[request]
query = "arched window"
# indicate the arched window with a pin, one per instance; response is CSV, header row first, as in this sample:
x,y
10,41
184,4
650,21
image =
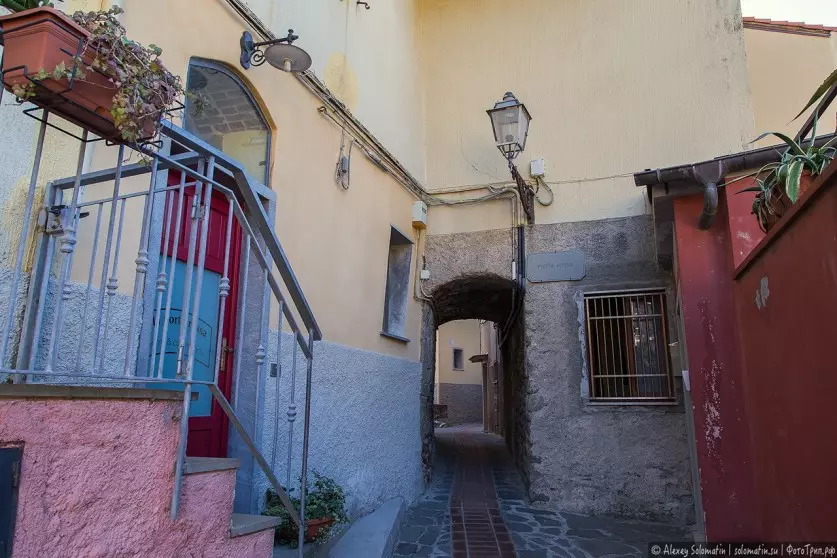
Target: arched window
x,y
232,120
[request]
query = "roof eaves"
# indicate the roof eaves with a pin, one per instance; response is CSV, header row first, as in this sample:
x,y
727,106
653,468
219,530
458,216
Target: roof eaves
x,y
685,175
793,27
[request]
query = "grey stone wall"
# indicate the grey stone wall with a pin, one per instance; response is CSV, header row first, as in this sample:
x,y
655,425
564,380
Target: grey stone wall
x,y
427,387
515,397
622,460
464,402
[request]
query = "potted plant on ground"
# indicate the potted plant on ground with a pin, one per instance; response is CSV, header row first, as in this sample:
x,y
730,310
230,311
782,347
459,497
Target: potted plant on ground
x,y
325,508
779,184
85,69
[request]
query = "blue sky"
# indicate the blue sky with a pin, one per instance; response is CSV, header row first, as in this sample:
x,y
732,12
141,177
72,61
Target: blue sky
x,y
821,12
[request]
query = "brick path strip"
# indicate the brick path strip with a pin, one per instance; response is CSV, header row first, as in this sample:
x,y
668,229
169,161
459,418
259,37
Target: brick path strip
x,y
477,526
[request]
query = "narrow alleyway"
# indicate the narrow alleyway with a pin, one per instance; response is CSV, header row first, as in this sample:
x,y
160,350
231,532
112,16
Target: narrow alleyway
x,y
476,508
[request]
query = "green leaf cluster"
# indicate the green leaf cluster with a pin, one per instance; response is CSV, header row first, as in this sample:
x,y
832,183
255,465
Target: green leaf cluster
x,y
784,177
829,82
324,498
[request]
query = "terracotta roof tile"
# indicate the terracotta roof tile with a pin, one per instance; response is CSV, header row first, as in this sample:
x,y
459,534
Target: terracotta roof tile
x,y
788,26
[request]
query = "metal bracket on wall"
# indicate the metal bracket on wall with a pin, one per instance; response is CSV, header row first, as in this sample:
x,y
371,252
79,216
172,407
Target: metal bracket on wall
x,y
527,196
55,219
362,3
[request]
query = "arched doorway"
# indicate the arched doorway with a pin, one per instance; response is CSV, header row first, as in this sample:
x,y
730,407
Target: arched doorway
x,y
232,122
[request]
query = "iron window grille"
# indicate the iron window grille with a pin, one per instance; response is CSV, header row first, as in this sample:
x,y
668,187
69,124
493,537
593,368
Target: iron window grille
x,y
627,347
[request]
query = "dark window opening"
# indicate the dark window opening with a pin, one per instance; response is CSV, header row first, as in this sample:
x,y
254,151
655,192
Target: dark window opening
x,y
398,284
10,469
458,359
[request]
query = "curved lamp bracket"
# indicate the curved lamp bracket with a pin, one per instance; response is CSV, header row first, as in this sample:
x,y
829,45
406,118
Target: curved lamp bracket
x,y
252,53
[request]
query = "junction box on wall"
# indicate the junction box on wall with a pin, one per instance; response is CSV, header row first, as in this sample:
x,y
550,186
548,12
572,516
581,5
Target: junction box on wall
x,y
419,215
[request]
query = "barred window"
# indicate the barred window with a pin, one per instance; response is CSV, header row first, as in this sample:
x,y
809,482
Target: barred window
x,y
627,347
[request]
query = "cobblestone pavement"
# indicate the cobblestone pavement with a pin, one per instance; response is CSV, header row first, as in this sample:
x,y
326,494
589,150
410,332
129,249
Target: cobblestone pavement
x,y
476,485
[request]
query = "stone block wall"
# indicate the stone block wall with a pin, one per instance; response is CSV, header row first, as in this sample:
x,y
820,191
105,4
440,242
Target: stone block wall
x,y
624,460
464,402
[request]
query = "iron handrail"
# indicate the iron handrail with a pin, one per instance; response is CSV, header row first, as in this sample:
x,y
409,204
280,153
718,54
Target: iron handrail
x,y
248,196
180,163
257,212
200,164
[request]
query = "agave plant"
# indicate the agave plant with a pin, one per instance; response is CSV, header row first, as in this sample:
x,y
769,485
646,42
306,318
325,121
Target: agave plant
x,y
22,5
829,82
778,183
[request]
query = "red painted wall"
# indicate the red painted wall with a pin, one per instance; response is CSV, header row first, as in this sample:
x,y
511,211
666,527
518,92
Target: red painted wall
x,y
745,233
705,271
786,306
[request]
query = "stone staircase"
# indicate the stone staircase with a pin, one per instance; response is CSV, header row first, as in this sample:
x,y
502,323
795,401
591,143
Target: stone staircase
x,y
205,476
97,476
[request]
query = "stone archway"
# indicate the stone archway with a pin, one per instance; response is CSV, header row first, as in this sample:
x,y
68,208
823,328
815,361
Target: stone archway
x,y
485,296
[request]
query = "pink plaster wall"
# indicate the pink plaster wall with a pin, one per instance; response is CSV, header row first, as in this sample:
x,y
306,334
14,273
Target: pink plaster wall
x,y
97,480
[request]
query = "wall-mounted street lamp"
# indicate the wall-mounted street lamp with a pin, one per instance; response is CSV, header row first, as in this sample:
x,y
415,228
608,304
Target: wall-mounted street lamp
x,y
279,53
510,120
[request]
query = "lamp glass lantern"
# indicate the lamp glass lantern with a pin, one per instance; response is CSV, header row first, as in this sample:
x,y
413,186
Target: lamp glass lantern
x,y
510,120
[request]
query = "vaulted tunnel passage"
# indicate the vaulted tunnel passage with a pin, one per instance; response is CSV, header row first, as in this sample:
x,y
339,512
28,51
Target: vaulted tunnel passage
x,y
488,297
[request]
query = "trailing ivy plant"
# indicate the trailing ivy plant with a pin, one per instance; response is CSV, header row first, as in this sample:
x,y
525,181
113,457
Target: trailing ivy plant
x,y
145,89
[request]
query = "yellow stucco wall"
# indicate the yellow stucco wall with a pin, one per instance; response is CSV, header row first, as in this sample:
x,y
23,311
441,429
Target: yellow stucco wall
x,y
613,86
461,334
368,59
785,69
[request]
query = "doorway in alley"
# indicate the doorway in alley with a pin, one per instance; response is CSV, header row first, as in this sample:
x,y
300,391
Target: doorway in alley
x,y
468,386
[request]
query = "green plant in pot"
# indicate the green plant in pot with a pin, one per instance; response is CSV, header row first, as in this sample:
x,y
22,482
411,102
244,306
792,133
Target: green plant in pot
x,y
779,184
114,87
325,509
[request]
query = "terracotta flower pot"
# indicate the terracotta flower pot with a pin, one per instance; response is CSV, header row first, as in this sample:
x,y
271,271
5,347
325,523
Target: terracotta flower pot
x,y
43,38
313,527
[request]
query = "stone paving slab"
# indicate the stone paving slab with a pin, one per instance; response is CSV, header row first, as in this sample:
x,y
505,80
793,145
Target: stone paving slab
x,y
535,532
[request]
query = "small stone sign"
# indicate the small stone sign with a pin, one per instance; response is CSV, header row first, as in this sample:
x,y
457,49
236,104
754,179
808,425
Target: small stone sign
x,y
545,267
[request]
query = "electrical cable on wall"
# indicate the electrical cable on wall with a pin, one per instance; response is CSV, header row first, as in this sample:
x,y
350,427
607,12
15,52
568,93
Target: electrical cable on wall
x,y
343,169
418,288
540,182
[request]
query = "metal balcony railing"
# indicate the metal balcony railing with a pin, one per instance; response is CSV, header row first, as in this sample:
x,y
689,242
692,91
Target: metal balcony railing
x,y
207,264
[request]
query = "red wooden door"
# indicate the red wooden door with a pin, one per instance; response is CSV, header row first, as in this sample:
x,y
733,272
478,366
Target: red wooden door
x,y
208,424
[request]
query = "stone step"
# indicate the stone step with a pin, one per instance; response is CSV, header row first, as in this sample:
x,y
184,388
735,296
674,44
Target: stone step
x,y
243,524
195,465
